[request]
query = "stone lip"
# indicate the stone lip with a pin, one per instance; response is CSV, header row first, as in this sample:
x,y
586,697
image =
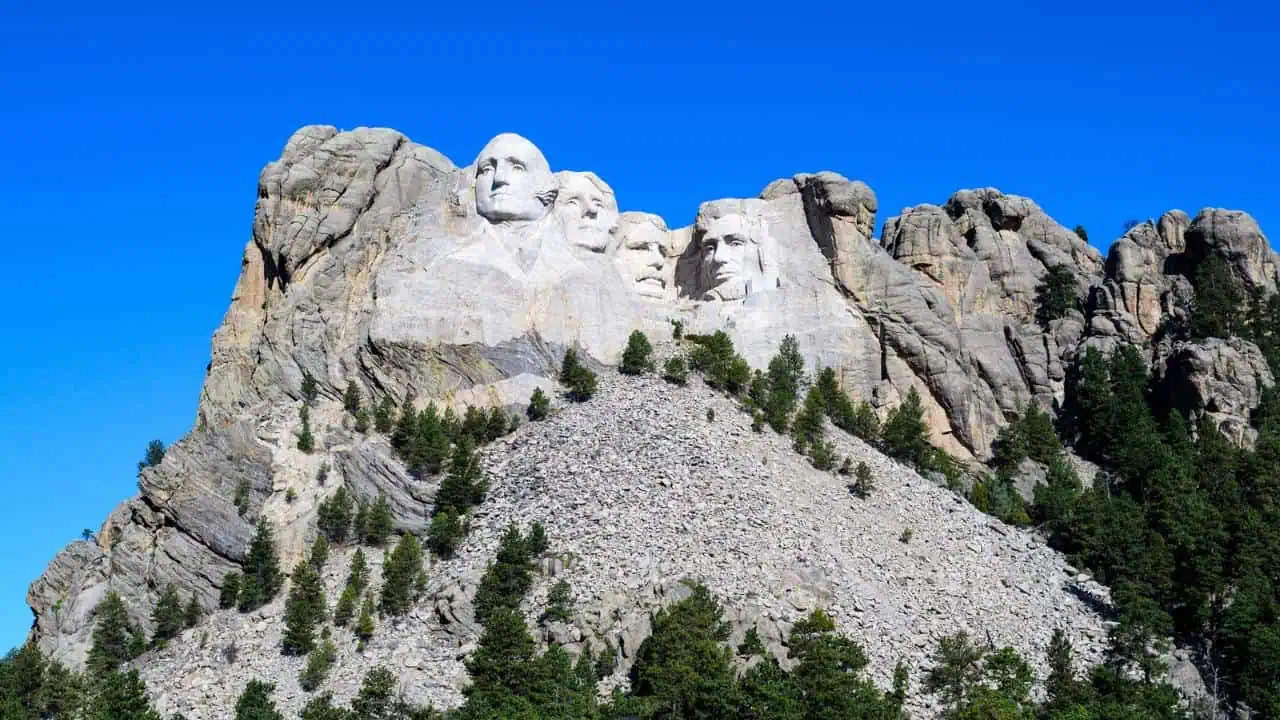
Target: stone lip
x,y
638,491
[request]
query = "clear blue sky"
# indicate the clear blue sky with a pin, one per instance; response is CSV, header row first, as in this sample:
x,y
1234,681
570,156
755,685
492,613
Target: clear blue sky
x,y
132,142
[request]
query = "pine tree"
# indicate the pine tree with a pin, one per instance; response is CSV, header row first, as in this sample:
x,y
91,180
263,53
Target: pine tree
x,y
401,575
306,441
310,389
361,424
539,405
153,456
255,702
536,544
380,524
675,371
121,696
1055,295
1082,233
319,662
904,433
358,575
321,707
112,637
862,484
508,578
430,444
636,358
351,398
261,579
684,664
445,534
559,604
168,616
497,424
193,612
334,516
1218,300
567,366
406,427
319,553
229,593
786,372
464,487
808,427
500,663
361,523
384,415
582,384
364,626
304,609
346,606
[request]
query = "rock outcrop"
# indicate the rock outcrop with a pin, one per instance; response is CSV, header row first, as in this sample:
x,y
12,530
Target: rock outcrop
x,y
378,261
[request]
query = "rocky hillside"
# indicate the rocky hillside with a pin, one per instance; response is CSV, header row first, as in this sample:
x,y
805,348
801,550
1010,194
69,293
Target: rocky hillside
x,y
377,261
638,490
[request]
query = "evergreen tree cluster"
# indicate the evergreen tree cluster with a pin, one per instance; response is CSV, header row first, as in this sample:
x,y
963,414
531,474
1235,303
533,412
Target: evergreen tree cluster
x,y
424,439
508,578
1056,295
261,579
340,519
305,609
171,615
578,378
463,488
403,576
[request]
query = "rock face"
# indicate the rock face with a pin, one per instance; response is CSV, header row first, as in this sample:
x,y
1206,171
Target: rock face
x,y
638,491
378,261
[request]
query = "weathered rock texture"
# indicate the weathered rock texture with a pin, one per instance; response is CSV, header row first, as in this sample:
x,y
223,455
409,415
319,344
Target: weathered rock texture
x,y
379,261
638,491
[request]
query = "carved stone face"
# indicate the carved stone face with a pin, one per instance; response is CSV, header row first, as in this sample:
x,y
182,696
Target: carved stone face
x,y
640,257
732,260
588,208
513,180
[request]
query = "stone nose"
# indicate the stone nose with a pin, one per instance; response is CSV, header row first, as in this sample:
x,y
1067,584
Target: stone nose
x,y
501,175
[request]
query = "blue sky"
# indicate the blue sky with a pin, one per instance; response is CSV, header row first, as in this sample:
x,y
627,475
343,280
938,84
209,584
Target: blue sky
x,y
132,143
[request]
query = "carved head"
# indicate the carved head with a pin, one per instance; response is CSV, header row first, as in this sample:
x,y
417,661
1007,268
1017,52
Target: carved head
x,y
640,254
737,257
588,208
513,180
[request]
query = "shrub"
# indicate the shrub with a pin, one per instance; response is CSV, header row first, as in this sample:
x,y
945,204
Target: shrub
x,y
582,384
379,523
255,702
539,405
904,434
677,330
711,415
193,612
346,606
1056,294
229,593
636,359
319,662
304,609
905,537
290,496
351,398
402,574
306,441
364,626
310,389
384,415
674,371
168,617
334,516
445,534
559,604
261,580
862,485
153,455
242,496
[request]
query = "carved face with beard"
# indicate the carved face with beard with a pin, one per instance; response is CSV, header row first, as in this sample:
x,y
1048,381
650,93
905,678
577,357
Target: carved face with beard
x,y
736,258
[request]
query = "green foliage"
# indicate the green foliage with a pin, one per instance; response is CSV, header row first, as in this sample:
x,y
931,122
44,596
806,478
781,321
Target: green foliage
x,y
321,707
310,388
169,617
358,574
905,537
464,487
351,398
364,626
319,553
996,496
675,371
334,516
1219,301
304,609
711,415
255,702
864,422
402,575
862,483
582,384
507,578
153,455
242,496
379,700
445,534
751,644
192,613
475,424
677,330
428,444
559,604
318,665
786,373
537,543
809,426
637,357
384,415
1082,233
496,426
306,440
714,357
904,434
684,666
568,364
115,639
406,427
362,420
823,455
261,580
1056,295
379,524
229,593
1030,435
120,696
346,606
539,405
